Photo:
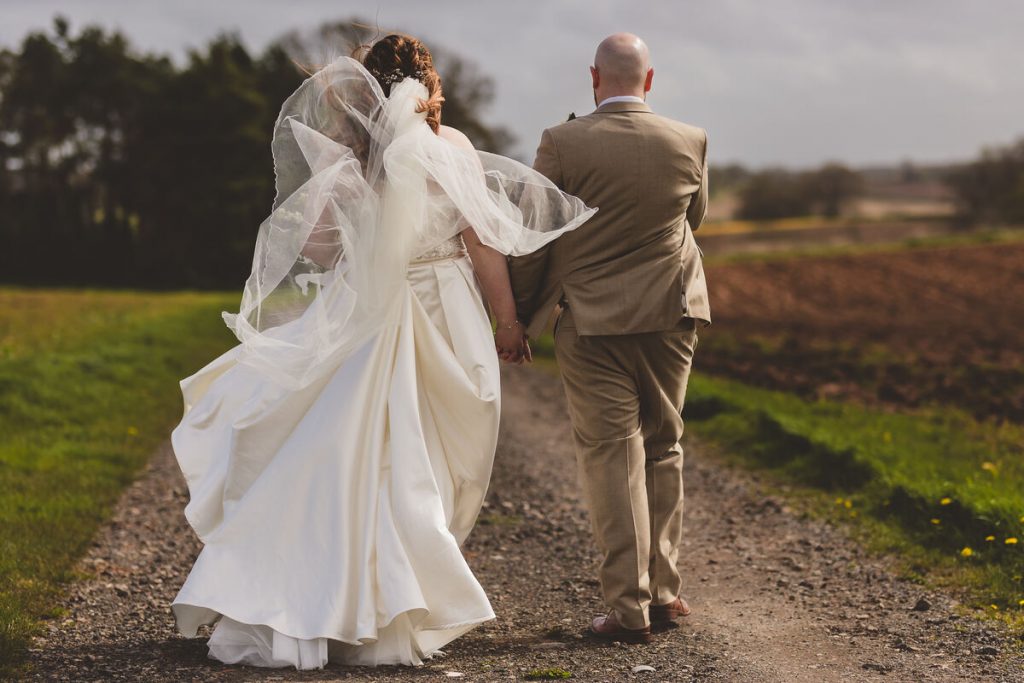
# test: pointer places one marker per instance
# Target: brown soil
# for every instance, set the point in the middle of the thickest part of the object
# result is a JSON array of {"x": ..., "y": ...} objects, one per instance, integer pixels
[
  {"x": 775, "y": 597},
  {"x": 918, "y": 326}
]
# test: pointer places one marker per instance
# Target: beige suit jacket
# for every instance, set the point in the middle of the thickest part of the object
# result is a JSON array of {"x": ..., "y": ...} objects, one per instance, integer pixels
[{"x": 634, "y": 267}]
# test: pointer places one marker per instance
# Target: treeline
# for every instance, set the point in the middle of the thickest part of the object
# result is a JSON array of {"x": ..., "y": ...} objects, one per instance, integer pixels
[
  {"x": 990, "y": 190},
  {"x": 119, "y": 168},
  {"x": 781, "y": 193}
]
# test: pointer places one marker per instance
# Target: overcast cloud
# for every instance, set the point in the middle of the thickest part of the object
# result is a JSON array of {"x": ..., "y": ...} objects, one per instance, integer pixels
[{"x": 790, "y": 82}]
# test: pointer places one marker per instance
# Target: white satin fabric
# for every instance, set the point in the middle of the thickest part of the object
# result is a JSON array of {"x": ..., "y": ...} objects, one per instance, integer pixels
[
  {"x": 332, "y": 515},
  {"x": 338, "y": 456}
]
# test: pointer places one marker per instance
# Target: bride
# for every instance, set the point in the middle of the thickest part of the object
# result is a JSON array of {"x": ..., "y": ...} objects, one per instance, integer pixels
[{"x": 338, "y": 456}]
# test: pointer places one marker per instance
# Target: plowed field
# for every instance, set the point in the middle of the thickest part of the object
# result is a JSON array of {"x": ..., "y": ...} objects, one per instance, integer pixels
[{"x": 938, "y": 325}]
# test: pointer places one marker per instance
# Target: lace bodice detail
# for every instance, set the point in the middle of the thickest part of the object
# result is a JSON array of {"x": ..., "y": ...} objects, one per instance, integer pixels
[{"x": 447, "y": 249}]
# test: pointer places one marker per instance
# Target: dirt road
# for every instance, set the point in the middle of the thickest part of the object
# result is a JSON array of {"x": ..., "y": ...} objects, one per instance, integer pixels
[{"x": 774, "y": 597}]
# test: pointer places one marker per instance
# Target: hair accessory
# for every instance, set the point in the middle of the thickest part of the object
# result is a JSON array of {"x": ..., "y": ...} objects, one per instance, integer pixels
[{"x": 395, "y": 75}]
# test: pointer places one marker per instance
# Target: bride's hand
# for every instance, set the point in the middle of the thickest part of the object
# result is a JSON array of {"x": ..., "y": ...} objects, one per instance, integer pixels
[{"x": 510, "y": 343}]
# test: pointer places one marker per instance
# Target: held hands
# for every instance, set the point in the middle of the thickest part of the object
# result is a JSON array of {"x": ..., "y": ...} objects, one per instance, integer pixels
[{"x": 512, "y": 343}]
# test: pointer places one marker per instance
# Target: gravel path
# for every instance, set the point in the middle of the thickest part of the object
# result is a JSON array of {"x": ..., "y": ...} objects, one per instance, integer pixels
[{"x": 775, "y": 597}]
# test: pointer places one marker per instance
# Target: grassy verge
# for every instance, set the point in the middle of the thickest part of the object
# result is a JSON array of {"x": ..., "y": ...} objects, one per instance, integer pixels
[
  {"x": 88, "y": 388},
  {"x": 994, "y": 235},
  {"x": 941, "y": 489},
  {"x": 936, "y": 488}
]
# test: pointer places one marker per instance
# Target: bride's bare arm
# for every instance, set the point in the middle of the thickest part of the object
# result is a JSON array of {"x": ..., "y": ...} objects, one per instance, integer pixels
[
  {"x": 491, "y": 269},
  {"x": 322, "y": 246}
]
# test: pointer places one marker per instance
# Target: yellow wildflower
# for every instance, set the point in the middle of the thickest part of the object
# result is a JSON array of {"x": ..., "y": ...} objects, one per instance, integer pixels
[
  {"x": 995, "y": 607},
  {"x": 945, "y": 501},
  {"x": 848, "y": 503},
  {"x": 936, "y": 521},
  {"x": 1010, "y": 541},
  {"x": 966, "y": 552},
  {"x": 990, "y": 538},
  {"x": 989, "y": 467},
  {"x": 133, "y": 431},
  {"x": 887, "y": 437}
]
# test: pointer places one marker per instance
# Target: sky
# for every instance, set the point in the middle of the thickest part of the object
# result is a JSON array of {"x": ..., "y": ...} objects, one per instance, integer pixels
[{"x": 780, "y": 82}]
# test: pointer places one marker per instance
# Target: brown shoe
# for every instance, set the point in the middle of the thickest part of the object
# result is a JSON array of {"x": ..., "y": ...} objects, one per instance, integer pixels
[
  {"x": 608, "y": 628},
  {"x": 667, "y": 614}
]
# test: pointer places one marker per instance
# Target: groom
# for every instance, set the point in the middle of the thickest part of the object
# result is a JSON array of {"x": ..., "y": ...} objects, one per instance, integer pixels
[{"x": 631, "y": 290}]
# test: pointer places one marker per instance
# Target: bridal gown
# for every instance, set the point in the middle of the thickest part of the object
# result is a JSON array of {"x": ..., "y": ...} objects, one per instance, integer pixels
[
  {"x": 387, "y": 461},
  {"x": 338, "y": 456}
]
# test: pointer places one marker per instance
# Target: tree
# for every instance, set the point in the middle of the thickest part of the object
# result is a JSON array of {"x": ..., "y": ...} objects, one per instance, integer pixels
[
  {"x": 991, "y": 189},
  {"x": 467, "y": 92},
  {"x": 771, "y": 194},
  {"x": 121, "y": 168},
  {"x": 205, "y": 179},
  {"x": 832, "y": 187},
  {"x": 724, "y": 177},
  {"x": 777, "y": 193},
  {"x": 65, "y": 108}
]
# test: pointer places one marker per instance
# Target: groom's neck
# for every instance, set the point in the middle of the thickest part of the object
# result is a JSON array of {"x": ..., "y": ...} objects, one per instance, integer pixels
[{"x": 603, "y": 94}]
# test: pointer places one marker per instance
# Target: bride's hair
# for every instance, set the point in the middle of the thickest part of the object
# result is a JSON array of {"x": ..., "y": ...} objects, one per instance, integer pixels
[{"x": 396, "y": 56}]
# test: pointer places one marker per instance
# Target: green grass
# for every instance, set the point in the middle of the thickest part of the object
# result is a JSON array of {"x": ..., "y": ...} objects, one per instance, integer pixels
[
  {"x": 555, "y": 674},
  {"x": 926, "y": 484},
  {"x": 994, "y": 235},
  {"x": 88, "y": 388}
]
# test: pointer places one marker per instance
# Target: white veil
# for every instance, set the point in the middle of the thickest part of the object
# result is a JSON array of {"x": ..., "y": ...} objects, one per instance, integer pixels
[{"x": 363, "y": 186}]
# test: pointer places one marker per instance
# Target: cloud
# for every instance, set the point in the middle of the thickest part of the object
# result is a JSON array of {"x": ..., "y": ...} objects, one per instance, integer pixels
[{"x": 792, "y": 81}]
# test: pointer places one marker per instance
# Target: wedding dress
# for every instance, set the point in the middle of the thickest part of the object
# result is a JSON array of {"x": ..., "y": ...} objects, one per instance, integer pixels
[{"x": 338, "y": 456}]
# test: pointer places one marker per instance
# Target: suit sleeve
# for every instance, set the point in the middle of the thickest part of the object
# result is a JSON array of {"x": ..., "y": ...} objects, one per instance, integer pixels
[
  {"x": 527, "y": 272},
  {"x": 698, "y": 209}
]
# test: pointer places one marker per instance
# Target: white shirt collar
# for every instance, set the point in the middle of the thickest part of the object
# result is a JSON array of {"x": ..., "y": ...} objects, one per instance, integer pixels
[{"x": 621, "y": 98}]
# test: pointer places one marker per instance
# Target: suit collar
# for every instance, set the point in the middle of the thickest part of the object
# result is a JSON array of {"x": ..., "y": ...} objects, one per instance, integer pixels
[{"x": 620, "y": 107}]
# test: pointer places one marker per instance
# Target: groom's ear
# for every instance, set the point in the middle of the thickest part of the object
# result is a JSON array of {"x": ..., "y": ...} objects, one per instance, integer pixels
[
  {"x": 649, "y": 80},
  {"x": 595, "y": 77}
]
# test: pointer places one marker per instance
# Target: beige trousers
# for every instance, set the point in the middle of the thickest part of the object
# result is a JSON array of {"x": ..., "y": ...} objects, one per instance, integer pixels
[{"x": 625, "y": 396}]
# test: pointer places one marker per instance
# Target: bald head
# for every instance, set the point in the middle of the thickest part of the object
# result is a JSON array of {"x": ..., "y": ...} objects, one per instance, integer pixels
[{"x": 622, "y": 66}]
